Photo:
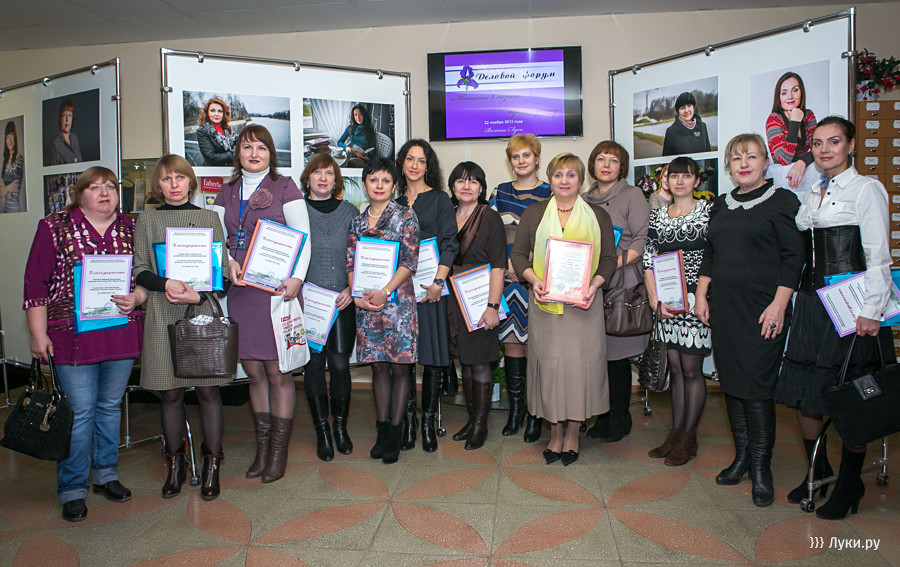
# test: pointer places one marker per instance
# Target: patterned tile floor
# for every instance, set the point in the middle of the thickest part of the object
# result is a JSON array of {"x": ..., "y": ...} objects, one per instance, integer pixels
[{"x": 499, "y": 506}]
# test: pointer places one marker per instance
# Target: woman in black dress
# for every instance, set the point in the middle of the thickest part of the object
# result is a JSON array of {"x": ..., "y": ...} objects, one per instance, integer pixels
[
  {"x": 481, "y": 241},
  {"x": 420, "y": 182},
  {"x": 750, "y": 269}
]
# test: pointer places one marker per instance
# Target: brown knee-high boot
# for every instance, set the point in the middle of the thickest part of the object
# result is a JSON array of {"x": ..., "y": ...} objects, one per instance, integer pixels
[
  {"x": 263, "y": 428},
  {"x": 278, "y": 448}
]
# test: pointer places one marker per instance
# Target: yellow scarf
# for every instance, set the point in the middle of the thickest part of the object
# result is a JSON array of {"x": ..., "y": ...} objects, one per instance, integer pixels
[{"x": 582, "y": 225}]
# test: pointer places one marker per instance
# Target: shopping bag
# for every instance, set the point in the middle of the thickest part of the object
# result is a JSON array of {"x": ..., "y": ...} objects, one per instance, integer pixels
[{"x": 290, "y": 333}]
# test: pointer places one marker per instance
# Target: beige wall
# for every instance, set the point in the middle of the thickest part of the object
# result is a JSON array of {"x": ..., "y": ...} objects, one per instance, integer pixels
[{"x": 609, "y": 42}]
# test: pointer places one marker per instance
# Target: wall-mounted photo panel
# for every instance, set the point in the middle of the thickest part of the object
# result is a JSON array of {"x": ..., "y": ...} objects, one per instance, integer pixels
[
  {"x": 353, "y": 132},
  {"x": 58, "y": 190},
  {"x": 13, "y": 193},
  {"x": 294, "y": 101},
  {"x": 725, "y": 90},
  {"x": 650, "y": 177},
  {"x": 71, "y": 128}
]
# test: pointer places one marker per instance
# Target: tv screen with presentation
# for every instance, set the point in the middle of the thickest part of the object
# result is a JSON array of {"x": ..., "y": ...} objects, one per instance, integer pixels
[{"x": 495, "y": 94}]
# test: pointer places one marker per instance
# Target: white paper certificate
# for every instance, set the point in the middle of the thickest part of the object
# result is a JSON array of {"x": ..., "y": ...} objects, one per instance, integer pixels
[
  {"x": 189, "y": 256},
  {"x": 473, "y": 288},
  {"x": 668, "y": 273},
  {"x": 844, "y": 300},
  {"x": 102, "y": 276},
  {"x": 374, "y": 264},
  {"x": 427, "y": 268},
  {"x": 273, "y": 254},
  {"x": 319, "y": 312}
]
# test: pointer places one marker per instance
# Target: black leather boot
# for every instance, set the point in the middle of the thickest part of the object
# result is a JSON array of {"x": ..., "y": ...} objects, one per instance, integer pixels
[
  {"x": 381, "y": 428},
  {"x": 532, "y": 428},
  {"x": 466, "y": 430},
  {"x": 515, "y": 387},
  {"x": 431, "y": 379},
  {"x": 760, "y": 440},
  {"x": 741, "y": 463},
  {"x": 848, "y": 490},
  {"x": 481, "y": 404},
  {"x": 392, "y": 435},
  {"x": 318, "y": 408},
  {"x": 619, "y": 404},
  {"x": 340, "y": 409},
  {"x": 821, "y": 469},
  {"x": 176, "y": 471},
  {"x": 450, "y": 382},
  {"x": 410, "y": 421},
  {"x": 209, "y": 475}
]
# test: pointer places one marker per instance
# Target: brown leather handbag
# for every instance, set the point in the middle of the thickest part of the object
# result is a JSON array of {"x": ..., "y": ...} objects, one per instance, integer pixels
[
  {"x": 627, "y": 309},
  {"x": 202, "y": 351}
]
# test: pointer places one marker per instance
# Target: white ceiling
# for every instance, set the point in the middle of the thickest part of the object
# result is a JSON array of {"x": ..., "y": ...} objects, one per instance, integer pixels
[{"x": 37, "y": 24}]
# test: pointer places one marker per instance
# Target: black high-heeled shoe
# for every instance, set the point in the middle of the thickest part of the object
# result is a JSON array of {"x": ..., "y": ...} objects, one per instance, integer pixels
[
  {"x": 551, "y": 456},
  {"x": 569, "y": 457},
  {"x": 848, "y": 490}
]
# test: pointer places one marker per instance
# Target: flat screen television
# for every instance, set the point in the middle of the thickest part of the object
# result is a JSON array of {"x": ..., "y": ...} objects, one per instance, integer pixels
[{"x": 495, "y": 94}]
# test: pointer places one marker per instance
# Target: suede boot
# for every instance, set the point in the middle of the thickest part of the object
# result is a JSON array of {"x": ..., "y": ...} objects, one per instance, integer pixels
[
  {"x": 481, "y": 404},
  {"x": 410, "y": 421},
  {"x": 263, "y": 428},
  {"x": 741, "y": 463},
  {"x": 848, "y": 490},
  {"x": 278, "y": 448},
  {"x": 684, "y": 450},
  {"x": 760, "y": 441},
  {"x": 209, "y": 474},
  {"x": 431, "y": 379},
  {"x": 515, "y": 387},
  {"x": 672, "y": 439},
  {"x": 340, "y": 409},
  {"x": 466, "y": 430},
  {"x": 821, "y": 469},
  {"x": 318, "y": 408},
  {"x": 176, "y": 466},
  {"x": 392, "y": 443},
  {"x": 377, "y": 450}
]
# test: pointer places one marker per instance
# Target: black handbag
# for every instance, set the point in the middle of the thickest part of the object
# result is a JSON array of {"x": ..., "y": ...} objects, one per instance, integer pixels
[
  {"x": 627, "y": 309},
  {"x": 653, "y": 371},
  {"x": 865, "y": 408},
  {"x": 203, "y": 351},
  {"x": 40, "y": 424}
]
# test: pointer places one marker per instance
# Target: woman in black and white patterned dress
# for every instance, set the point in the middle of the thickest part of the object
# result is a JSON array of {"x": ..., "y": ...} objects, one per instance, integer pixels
[{"x": 681, "y": 226}]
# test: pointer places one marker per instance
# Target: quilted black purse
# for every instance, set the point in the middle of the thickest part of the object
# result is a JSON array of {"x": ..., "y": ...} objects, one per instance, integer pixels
[
  {"x": 865, "y": 408},
  {"x": 653, "y": 372},
  {"x": 40, "y": 424}
]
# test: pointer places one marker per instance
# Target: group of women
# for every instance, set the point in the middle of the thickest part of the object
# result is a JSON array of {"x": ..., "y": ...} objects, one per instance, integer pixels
[{"x": 742, "y": 255}]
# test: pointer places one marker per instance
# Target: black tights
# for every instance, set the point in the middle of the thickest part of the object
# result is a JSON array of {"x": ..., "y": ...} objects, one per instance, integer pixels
[
  {"x": 390, "y": 383},
  {"x": 174, "y": 416},
  {"x": 480, "y": 373},
  {"x": 338, "y": 368},
  {"x": 688, "y": 389},
  {"x": 271, "y": 390}
]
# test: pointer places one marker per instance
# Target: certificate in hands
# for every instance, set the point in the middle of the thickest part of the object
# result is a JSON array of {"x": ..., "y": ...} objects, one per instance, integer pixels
[
  {"x": 189, "y": 256},
  {"x": 320, "y": 311},
  {"x": 671, "y": 287},
  {"x": 567, "y": 270},
  {"x": 272, "y": 255},
  {"x": 844, "y": 300},
  {"x": 374, "y": 264},
  {"x": 427, "y": 269},
  {"x": 472, "y": 289},
  {"x": 102, "y": 276}
]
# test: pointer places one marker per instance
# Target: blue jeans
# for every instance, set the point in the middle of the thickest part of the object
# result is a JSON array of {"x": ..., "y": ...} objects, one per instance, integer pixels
[{"x": 95, "y": 393}]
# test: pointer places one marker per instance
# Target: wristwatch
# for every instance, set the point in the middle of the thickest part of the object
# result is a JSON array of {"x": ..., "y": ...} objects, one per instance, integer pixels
[
  {"x": 439, "y": 281},
  {"x": 494, "y": 306},
  {"x": 386, "y": 291}
]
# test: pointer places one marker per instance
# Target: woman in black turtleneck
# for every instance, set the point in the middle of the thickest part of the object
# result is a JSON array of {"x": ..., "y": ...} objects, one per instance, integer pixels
[{"x": 174, "y": 181}]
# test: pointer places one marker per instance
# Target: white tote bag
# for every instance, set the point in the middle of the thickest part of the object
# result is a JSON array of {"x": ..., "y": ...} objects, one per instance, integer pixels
[{"x": 290, "y": 333}]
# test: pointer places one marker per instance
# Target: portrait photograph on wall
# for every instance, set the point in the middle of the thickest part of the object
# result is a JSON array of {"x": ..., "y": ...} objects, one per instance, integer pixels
[
  {"x": 71, "y": 128},
  {"x": 650, "y": 177},
  {"x": 57, "y": 189},
  {"x": 353, "y": 132},
  {"x": 12, "y": 168},
  {"x": 785, "y": 105},
  {"x": 214, "y": 120},
  {"x": 676, "y": 119}
]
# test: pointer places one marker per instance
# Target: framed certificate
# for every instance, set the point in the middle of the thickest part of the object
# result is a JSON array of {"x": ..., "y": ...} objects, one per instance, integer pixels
[
  {"x": 374, "y": 264},
  {"x": 319, "y": 312},
  {"x": 102, "y": 276},
  {"x": 272, "y": 254},
  {"x": 472, "y": 288},
  {"x": 671, "y": 287},
  {"x": 427, "y": 268},
  {"x": 567, "y": 270},
  {"x": 843, "y": 300},
  {"x": 189, "y": 256}
]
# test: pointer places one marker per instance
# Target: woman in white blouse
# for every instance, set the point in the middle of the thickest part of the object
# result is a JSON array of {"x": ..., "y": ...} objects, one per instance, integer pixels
[{"x": 845, "y": 219}]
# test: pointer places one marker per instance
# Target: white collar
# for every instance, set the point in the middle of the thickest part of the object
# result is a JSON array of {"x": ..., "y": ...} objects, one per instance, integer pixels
[{"x": 251, "y": 181}]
